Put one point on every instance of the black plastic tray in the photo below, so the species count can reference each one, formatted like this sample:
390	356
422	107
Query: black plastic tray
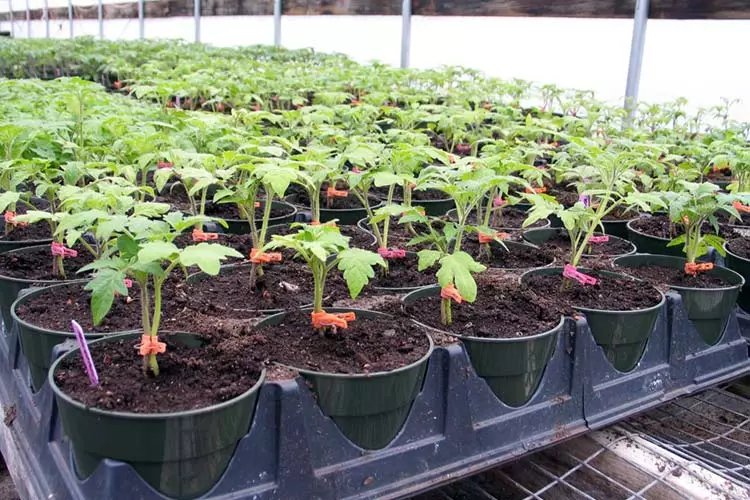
456	426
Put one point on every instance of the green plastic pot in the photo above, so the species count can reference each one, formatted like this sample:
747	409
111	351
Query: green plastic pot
741	266
617	228
369	409
651	244
239	226
37	342
513	247
181	454
345	216
10	287
538	236
707	308
622	335
512	368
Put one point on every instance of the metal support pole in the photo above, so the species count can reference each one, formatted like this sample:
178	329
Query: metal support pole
10	14
277	23
141	21
100	18
28	20
70	16
636	56
45	12
197	13
405	32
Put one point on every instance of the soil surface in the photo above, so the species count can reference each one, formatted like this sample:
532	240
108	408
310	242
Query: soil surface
403	273
399	235
662	227
416	195
559	245
366	346
32	232
740	247
36	264
190	377
660	276
620	214
503	309
513	258
609	294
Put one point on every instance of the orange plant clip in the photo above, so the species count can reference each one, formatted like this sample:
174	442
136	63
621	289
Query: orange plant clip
339	320
199	235
694	269
258	257
537	190
150	345
486	238
740	207
450	292
257	204
337	193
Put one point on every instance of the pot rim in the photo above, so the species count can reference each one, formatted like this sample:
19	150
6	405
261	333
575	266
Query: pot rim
678	287
562	230
270	219
31	280
351	376
488	340
58	392
612	311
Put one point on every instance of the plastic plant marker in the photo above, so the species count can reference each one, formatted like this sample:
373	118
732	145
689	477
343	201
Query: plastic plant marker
584	279
451	293
693	268
60	250
322	319
337	193
150	345
392	253
258	257
88	361
585	199
599	239
199	235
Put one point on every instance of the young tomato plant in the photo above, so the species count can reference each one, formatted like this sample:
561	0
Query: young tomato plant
147	255
323	248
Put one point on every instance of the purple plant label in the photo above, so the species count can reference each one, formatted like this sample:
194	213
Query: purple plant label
584	198
88	362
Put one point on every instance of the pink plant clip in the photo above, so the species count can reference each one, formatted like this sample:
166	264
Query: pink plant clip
584	198
599	239
164	164
499	202
59	250
128	283
392	253
584	279
357	170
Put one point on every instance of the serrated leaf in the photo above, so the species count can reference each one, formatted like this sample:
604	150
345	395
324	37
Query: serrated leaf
357	266
103	287
207	256
457	269
151	209
157	251
428	258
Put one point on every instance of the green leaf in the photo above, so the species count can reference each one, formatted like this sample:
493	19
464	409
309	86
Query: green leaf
357	266
207	256
428	258
151	209
103	287
127	246
157	251
457	268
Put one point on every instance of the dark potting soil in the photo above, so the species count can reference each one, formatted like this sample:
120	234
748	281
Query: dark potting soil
31	232
348	202
35	263
190	377
740	247
368	345
660	276
284	285
403	273
609	294
621	215
720	175
416	195
399	235
559	244
512	218
503	309
513	258
661	226
229	211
